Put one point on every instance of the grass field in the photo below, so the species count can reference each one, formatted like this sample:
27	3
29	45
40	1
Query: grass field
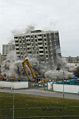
32	107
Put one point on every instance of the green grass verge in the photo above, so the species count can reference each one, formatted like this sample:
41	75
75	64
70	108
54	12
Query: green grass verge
33	107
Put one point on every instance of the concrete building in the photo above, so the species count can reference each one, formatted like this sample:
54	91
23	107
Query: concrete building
3	57
44	44
6	48
71	59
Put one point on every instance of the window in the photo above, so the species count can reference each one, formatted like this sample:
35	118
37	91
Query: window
41	47
17	44
44	39
46	56
29	52
39	39
17	52
39	35
16	41
46	48
31	36
44	35
27	36
17	48
16	37
39	43
27	40
40	51
46	51
35	36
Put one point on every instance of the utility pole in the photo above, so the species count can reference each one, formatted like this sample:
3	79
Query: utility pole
13	107
63	83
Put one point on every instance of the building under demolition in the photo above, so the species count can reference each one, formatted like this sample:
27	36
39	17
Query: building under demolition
43	44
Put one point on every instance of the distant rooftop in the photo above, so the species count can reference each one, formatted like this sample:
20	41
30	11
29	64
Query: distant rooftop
33	32
36	31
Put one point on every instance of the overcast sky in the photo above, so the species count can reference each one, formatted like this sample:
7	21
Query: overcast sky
45	14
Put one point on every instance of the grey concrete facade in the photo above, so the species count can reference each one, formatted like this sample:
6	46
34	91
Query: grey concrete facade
44	44
6	48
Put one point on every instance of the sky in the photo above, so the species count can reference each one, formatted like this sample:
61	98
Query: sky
61	15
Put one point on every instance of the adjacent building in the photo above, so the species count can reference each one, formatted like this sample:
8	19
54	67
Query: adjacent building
72	59
6	48
44	44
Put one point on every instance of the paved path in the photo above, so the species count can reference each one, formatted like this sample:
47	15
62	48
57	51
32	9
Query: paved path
41	92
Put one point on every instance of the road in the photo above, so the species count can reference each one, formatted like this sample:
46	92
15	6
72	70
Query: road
41	92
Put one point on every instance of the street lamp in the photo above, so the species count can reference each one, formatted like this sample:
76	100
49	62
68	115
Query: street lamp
63	83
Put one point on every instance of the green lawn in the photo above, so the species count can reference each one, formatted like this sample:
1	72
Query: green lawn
32	107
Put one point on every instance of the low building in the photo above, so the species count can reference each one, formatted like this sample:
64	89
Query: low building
72	59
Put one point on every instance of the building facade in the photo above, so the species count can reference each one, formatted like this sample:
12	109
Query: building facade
44	44
6	48
72	59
